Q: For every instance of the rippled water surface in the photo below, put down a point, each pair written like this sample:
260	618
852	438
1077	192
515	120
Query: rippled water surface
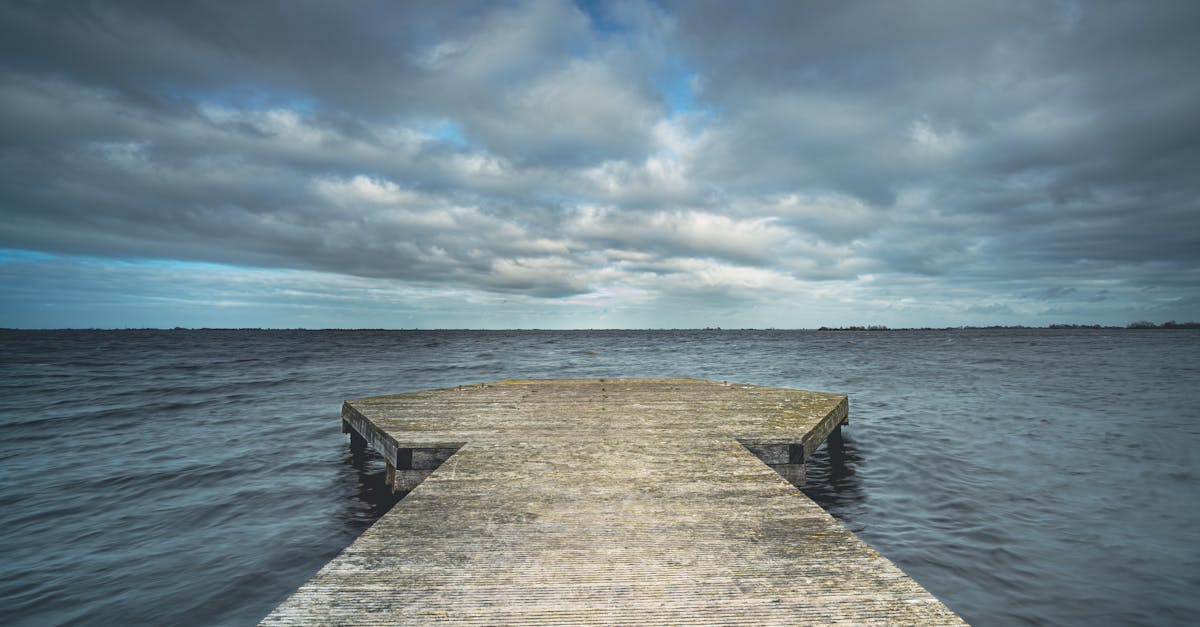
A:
198	477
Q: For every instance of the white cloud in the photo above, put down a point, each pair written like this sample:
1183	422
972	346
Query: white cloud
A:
934	143
826	216
689	233
704	276
364	190
583	112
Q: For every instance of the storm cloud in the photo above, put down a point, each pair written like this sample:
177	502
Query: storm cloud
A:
601	164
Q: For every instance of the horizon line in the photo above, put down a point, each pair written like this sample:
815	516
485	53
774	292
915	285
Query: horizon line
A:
1140	325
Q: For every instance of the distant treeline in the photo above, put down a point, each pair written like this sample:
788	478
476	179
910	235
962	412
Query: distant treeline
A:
873	327
1166	325
1132	325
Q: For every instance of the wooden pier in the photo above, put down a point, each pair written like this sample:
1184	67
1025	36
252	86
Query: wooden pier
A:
618	501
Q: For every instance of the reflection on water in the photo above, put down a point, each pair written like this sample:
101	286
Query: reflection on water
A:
832	475
373	491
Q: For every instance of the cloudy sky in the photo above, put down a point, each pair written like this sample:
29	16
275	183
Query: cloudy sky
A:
589	164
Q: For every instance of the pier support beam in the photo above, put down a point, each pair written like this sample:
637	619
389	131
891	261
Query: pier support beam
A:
834	441
358	444
406	467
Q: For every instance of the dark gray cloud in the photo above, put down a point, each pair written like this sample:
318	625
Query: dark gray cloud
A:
167	54
1072	118
924	161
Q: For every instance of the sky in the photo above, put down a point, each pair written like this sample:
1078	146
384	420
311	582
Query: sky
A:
630	164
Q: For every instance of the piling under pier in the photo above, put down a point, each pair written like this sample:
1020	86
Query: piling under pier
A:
628	501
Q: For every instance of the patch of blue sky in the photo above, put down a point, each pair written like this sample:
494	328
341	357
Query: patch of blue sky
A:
600	17
678	85
18	255
246	98
679	89
448	131
176	264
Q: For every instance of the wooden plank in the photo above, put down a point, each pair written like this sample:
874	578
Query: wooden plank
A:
606	501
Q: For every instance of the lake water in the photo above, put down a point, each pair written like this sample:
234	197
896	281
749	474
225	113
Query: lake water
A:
199	477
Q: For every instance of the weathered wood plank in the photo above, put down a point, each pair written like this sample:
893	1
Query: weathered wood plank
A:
606	501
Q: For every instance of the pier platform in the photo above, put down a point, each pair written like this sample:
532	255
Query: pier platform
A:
604	501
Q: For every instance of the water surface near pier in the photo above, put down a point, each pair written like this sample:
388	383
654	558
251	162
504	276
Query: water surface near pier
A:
198	477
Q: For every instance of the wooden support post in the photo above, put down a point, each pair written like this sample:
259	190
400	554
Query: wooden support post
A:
834	441
794	473
358	443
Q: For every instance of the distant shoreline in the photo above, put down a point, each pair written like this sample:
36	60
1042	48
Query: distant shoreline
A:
1133	325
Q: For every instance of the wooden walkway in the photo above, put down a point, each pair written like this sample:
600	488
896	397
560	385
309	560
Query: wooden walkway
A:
634	501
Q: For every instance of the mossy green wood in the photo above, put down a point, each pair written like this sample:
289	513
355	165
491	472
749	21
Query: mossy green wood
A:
628	501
